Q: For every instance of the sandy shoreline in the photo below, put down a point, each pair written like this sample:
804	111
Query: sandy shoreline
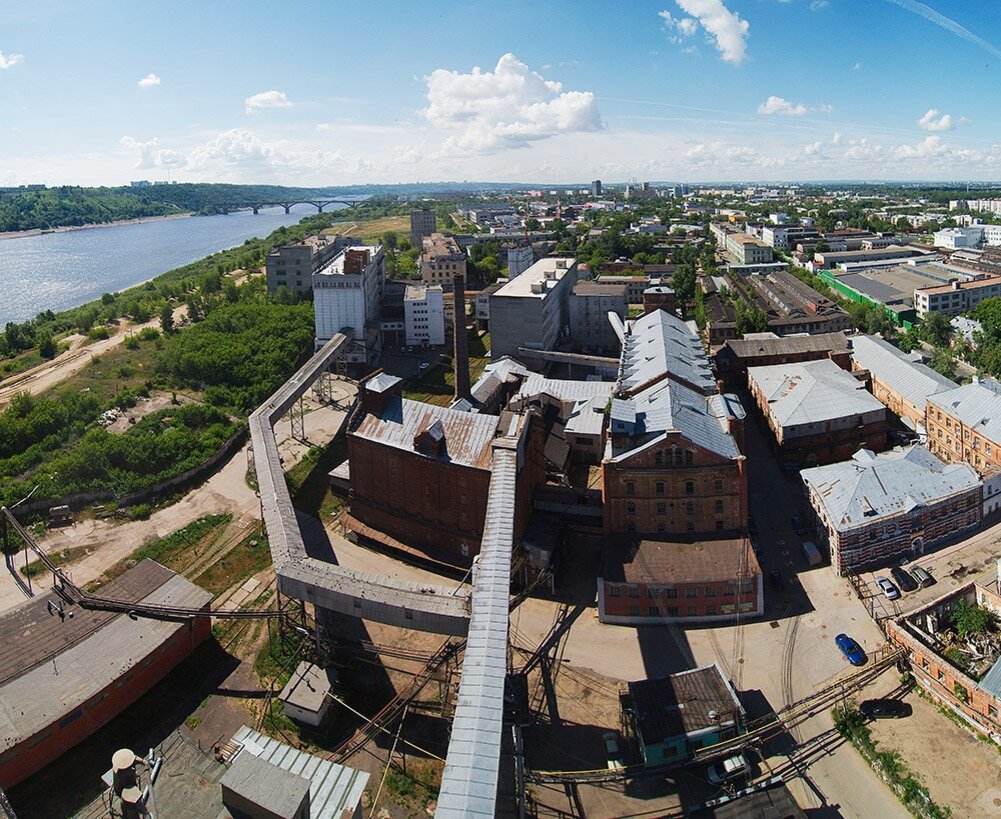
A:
18	234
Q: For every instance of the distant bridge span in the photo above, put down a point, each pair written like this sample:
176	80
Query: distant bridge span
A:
319	204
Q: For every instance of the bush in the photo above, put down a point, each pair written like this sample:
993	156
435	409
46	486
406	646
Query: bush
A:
131	342
141	511
149	334
97	333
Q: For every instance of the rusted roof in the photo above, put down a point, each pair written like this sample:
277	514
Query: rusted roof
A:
663	562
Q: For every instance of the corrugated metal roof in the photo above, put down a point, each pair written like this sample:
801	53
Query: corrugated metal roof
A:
565	390
660	343
752	344
333	788
991	683
811	391
467	435
898	370
869	486
587	417
977	405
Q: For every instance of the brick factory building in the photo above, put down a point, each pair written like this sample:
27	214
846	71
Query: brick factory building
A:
817	412
872	508
63	677
441	261
649	582
765	349
964	424
418	474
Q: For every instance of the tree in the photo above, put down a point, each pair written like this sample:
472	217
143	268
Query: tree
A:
47	346
934	328
988	313
942	362
166	318
683	283
967	619
389	240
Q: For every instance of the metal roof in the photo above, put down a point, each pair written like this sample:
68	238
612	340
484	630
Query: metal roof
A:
977	405
660	343
467	434
899	371
683	704
811	391
587	417
991	683
334	790
565	390
469	782
870	487
753	345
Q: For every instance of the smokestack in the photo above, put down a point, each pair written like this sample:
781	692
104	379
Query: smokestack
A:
460	359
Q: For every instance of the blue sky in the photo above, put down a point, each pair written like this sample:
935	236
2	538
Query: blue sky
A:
338	93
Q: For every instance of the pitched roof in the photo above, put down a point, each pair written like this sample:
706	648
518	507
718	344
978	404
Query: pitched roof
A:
811	391
752	345
869	486
660	343
912	379
468	435
565	390
977	405
683	703
667	562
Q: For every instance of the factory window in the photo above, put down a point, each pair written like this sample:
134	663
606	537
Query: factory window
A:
718	487
660	488
71	718
630	488
630	508
634	592
653	611
691	591
661	508
672	611
630	527
689	457
710	610
709	591
658	458
690	507
660	526
678	457
728	590
634	611
689	487
672	593
992	711
719	507
613	591
690	526
719	525
693	610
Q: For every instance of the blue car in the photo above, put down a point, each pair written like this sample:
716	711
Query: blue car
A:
853	651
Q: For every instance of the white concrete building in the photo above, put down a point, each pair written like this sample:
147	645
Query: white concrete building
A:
971	236
519	259
346	293
424	316
532	310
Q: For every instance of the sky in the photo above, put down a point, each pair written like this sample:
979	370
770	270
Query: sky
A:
336	93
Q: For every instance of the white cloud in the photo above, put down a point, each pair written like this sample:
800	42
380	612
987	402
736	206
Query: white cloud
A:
863	149
724	28
817	5
149	154
934	120
814	149
782	107
267	99
682	26
858	66
149	81
836	139
323	126
509	107
10	60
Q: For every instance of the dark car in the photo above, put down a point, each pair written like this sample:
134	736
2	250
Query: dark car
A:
797	524
884	709
776	578
922	576
903	578
853	651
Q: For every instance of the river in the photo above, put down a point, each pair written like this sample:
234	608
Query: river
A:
57	271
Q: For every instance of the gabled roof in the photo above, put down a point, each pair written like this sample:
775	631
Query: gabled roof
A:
811	391
660	343
565	390
910	378
977	405
868	487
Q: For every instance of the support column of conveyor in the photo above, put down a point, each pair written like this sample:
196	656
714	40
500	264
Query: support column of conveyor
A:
438	609
469	783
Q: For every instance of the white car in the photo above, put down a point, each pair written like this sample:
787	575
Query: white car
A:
891	591
612	751
730	768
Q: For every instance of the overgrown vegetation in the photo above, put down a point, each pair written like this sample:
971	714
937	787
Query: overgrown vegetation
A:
246	559
888	765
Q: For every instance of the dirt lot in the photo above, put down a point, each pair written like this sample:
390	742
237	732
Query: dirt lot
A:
146	406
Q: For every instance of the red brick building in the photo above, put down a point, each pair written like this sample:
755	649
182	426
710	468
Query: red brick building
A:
64	677
650	582
764	349
419	473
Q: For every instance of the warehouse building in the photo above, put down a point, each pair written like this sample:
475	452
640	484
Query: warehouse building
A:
66	671
873	509
735	357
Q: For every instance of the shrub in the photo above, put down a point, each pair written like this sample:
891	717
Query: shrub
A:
141	511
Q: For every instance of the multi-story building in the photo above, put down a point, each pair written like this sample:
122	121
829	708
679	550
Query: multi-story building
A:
424	315
590	328
873	509
817	412
649	582
740	248
422	223
532	310
520	257
346	293
964	424
765	349
292	266
635	285
419	473
596	187
897	378
974	235
957	296
441	261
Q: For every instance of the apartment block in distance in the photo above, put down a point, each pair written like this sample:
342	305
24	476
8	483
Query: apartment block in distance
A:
423	222
441	261
292	266
346	293
423	316
873	509
532	310
956	297
817	412
964	424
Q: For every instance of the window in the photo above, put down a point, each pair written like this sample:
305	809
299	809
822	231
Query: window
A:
719	507
630	488
653	611
690	526
613	591
661	508
692	610
630	508
728	590
672	593
718	487
660	488
691	591
689	457
689	487
660	526
630	527
710	610
658	459
634	611
70	718
690	508
634	592
719	526
672	611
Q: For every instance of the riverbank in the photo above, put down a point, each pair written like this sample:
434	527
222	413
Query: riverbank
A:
140	220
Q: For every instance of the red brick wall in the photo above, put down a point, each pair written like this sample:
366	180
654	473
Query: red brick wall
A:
23	760
711	599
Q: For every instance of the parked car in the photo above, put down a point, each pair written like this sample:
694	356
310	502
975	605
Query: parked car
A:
923	577
612	751
733	767
776	579
422	366
904	580
853	651
884	709
797	524
888	589
812	553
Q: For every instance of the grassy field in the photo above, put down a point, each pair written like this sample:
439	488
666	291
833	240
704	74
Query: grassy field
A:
369	230
245	560
309	480
437	385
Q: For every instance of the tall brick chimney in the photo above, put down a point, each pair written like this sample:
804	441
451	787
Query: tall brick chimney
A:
460	358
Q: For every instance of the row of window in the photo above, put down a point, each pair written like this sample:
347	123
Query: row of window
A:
660	487
691	592
661	508
662	526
